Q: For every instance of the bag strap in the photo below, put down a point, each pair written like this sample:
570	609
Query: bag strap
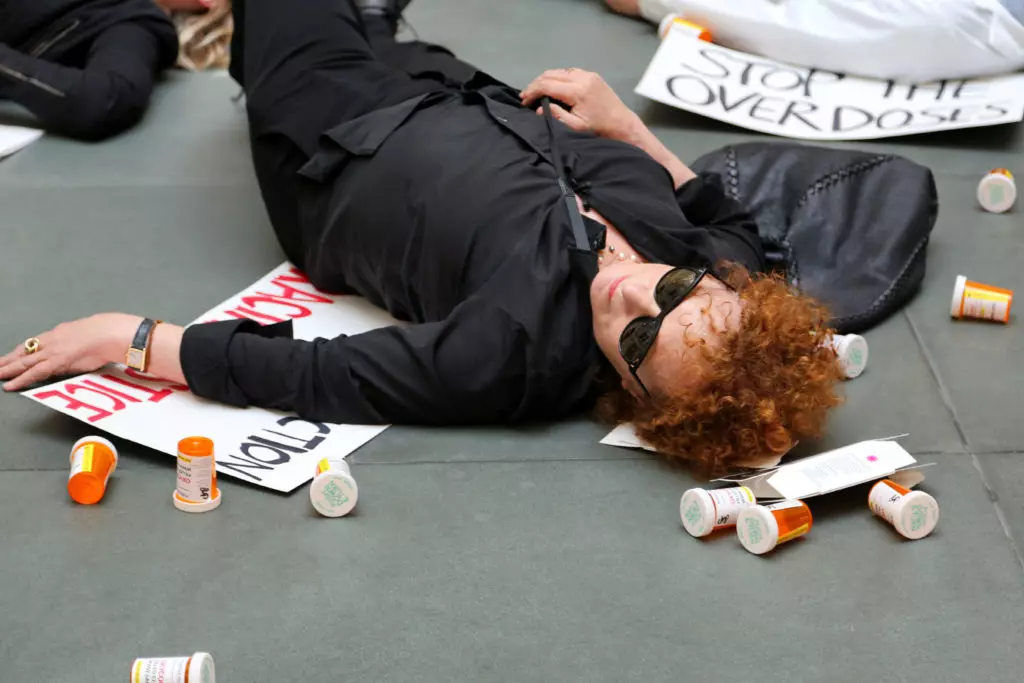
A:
579	231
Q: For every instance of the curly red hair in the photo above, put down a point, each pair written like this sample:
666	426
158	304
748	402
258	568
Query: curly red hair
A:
766	384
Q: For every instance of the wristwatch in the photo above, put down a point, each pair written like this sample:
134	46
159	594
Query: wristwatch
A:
137	357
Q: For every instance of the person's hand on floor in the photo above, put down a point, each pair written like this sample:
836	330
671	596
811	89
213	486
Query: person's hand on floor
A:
70	348
593	105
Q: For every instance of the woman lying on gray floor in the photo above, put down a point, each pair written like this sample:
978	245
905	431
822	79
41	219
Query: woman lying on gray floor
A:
83	68
394	171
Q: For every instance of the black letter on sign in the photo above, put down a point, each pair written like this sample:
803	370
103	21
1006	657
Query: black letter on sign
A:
247	449
321	428
907	118
804	107
708	94
240	466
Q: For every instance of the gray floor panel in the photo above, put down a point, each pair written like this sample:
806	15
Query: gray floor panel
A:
977	361
514	571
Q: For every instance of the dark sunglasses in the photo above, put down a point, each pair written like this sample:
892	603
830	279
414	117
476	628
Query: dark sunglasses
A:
636	340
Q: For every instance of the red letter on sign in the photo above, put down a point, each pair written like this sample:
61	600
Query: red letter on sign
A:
73	404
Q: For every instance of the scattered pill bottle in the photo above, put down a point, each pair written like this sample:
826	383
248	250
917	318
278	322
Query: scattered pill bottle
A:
852	350
93	460
704	512
333	492
914	514
763	527
980	301
997	191
197	476
195	669
676	22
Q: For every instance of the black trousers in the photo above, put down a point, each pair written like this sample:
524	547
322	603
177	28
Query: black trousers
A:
309	65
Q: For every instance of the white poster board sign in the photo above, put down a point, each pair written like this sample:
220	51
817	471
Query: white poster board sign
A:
268	448
13	138
795	102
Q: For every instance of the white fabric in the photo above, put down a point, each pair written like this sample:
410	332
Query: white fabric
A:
905	40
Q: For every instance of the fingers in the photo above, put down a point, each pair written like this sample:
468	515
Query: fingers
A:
560	85
19	354
15	369
568	118
39	371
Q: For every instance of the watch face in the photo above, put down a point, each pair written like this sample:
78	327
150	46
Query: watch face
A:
135	358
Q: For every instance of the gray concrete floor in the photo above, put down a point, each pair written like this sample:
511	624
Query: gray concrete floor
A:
490	554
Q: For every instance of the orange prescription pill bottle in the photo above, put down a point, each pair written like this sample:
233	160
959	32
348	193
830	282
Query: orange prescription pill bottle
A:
676	22
93	460
980	301
703	512
997	191
195	669
914	514
197	476
333	492
763	527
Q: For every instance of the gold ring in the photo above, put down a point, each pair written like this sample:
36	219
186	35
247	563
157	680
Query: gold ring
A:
31	345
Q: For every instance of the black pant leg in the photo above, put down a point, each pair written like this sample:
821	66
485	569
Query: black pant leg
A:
306	66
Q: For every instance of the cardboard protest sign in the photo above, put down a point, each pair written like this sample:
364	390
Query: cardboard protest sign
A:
14	138
796	102
624	436
264	447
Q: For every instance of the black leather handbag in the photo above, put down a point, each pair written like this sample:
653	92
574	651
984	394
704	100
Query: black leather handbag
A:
849	228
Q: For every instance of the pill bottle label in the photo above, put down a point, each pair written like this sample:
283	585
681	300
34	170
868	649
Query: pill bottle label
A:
82	460
784	505
788	531
160	670
87	459
195	478
729	503
986	306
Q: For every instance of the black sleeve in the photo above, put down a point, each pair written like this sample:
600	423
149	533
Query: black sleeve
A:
469	368
732	229
108	95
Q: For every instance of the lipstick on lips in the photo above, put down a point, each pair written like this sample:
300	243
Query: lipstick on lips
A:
614	286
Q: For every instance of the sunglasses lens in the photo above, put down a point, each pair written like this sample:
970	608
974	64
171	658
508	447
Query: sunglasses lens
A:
674	287
637	339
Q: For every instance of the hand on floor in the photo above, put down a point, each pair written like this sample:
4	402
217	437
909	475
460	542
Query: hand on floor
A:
593	105
70	348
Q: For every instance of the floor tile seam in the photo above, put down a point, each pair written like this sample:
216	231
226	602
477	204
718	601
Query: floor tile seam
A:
947	400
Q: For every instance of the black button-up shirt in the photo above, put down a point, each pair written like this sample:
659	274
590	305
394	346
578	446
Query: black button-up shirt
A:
445	211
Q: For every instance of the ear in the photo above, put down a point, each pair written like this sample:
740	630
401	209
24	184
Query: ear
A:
630	385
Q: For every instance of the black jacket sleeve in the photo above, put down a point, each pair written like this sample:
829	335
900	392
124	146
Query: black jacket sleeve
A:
732	229
108	95
468	368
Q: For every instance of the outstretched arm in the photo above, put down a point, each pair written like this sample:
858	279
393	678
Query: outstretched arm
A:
470	367
109	94
594	107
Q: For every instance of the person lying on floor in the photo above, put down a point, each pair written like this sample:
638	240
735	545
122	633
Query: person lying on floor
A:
83	68
397	172
904	40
